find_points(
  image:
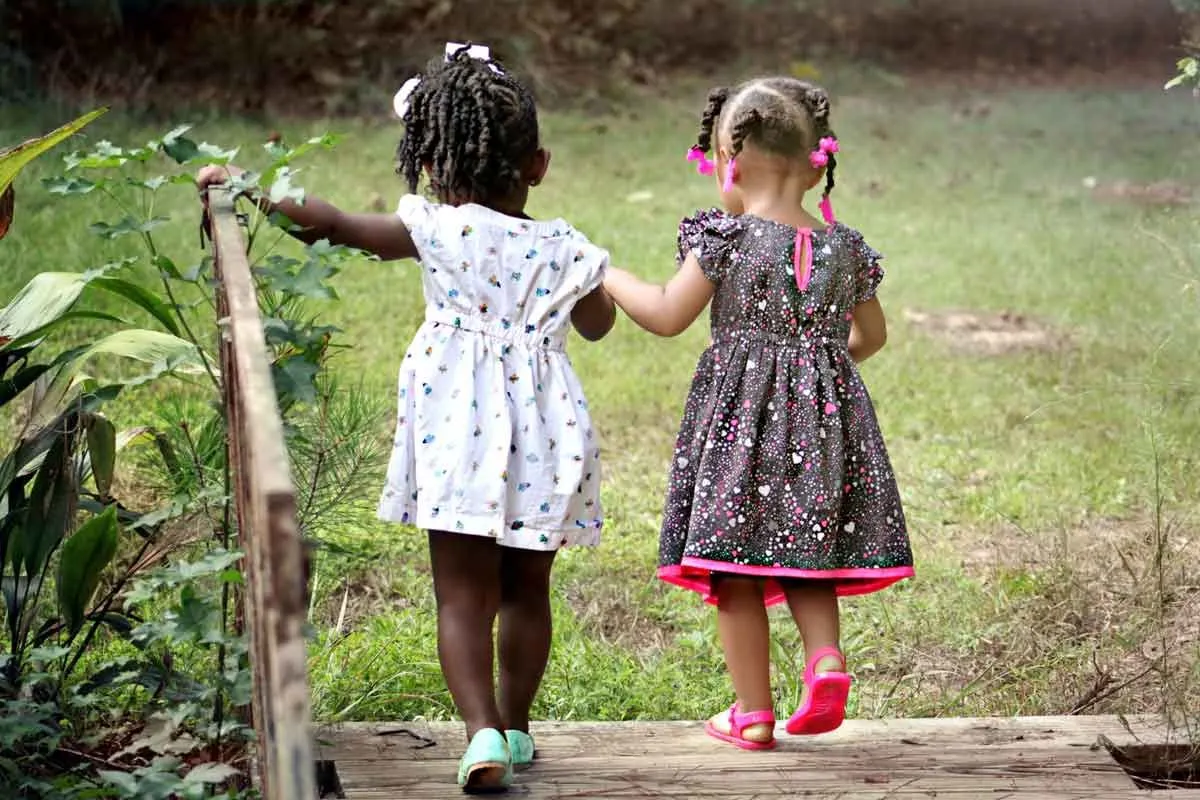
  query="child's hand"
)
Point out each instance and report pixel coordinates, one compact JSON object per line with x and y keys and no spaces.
{"x":216,"y":175}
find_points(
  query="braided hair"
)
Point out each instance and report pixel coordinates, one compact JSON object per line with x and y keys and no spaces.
{"x":784,"y":116}
{"x":473,"y":127}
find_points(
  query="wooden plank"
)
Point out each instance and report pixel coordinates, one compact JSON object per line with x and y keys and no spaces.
{"x":438,"y":740}
{"x":1053,"y":757}
{"x":268,"y":532}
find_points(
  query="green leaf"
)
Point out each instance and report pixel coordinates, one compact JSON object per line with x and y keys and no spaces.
{"x":180,"y":148}
{"x":128,"y":226}
{"x":42,"y":301}
{"x":85,"y":556}
{"x":211,"y":773}
{"x":14,"y":160}
{"x":102,"y":450}
{"x":143,"y":298}
{"x":67,"y":185}
{"x":295,"y":379}
{"x":164,"y":352}
{"x":123,"y":782}
{"x":51,"y":506}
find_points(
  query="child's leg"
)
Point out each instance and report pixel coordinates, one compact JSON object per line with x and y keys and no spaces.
{"x":746,"y":639}
{"x":525,"y":631}
{"x":814,"y":607}
{"x":466,"y":582}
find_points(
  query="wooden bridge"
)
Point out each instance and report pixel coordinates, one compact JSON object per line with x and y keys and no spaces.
{"x":1023,"y":759}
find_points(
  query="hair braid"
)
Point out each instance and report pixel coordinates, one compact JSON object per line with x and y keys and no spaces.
{"x":749,"y":123}
{"x":708,"y":120}
{"x":471,"y":127}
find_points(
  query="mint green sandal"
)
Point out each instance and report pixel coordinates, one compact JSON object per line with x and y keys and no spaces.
{"x":520,"y":744}
{"x":486,"y":767}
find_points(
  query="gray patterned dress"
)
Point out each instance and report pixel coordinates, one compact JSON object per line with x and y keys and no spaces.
{"x":780,"y":470}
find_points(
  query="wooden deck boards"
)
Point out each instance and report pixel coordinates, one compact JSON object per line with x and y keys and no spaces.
{"x":1024,"y":759}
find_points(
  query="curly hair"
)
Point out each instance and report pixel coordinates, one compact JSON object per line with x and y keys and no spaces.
{"x":473,"y":125}
{"x":784,"y":116}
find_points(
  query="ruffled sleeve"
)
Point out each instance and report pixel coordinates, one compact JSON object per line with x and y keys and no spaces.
{"x":420,"y":217}
{"x":588,"y":263}
{"x":867,"y":272}
{"x":710,"y":235}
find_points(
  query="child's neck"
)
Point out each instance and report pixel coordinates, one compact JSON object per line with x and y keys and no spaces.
{"x":787,"y":210}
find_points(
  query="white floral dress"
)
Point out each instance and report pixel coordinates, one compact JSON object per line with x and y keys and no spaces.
{"x":493,"y":435}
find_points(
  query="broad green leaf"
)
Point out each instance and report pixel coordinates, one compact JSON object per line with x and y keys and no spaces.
{"x":143,"y":298}
{"x":164,"y":352}
{"x":102,"y":452}
{"x":211,"y":773}
{"x":46,"y":297}
{"x":14,"y":160}
{"x":51,"y":506}
{"x":85,"y":556}
{"x":35,"y":336}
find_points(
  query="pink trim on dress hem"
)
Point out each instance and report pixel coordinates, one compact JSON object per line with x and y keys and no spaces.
{"x":695,"y":574}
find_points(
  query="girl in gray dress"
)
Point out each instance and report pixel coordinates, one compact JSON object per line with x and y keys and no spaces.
{"x":780,"y":487}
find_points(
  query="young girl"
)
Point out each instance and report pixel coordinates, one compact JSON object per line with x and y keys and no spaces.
{"x":780,"y":488}
{"x":494,"y":452}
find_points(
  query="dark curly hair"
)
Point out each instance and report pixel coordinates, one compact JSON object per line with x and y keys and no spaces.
{"x":474,"y":127}
{"x":785,"y":116}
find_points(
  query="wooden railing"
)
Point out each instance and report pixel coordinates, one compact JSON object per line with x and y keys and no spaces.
{"x":274,"y":594}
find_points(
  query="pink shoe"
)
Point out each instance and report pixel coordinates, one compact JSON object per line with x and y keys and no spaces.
{"x":738,"y":722}
{"x":824,"y":708}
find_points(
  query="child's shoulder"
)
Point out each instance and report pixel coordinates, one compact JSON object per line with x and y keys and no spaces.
{"x":421,"y":211}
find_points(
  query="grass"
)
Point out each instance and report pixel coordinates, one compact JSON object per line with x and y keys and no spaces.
{"x":1032,"y":480}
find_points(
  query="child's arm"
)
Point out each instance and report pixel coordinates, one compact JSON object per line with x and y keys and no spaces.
{"x":384,"y":235}
{"x":868,"y":330}
{"x":662,"y":310}
{"x":594,"y":315}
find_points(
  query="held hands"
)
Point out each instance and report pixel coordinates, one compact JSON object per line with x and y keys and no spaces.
{"x":216,"y":175}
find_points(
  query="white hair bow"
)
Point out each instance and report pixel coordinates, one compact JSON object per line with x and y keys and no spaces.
{"x":477,"y":51}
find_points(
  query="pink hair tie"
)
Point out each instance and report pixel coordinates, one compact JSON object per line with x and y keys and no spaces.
{"x":704,"y":166}
{"x":826,"y":210}
{"x":825,"y":148}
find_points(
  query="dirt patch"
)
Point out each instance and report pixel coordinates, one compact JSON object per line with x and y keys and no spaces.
{"x":989,"y":334}
{"x":618,"y":621}
{"x":1160,"y":193}
{"x":1101,"y":618}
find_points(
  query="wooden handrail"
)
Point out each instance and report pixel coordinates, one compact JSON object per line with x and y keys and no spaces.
{"x":268,"y":533}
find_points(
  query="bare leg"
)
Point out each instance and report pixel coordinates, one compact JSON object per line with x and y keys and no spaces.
{"x":525,"y":631}
{"x":746,"y":639}
{"x":466,"y":583}
{"x":814,"y":607}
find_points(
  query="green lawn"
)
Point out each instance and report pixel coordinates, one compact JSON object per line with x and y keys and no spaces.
{"x":1031,"y":479}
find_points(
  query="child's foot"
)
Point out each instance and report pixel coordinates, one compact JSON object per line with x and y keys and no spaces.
{"x":486,"y":767}
{"x":826,"y":690}
{"x":520,"y":744}
{"x":751,"y":730}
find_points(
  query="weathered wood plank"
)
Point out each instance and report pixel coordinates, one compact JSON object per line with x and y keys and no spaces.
{"x":274,"y":601}
{"x":425,"y":741}
{"x":1025,"y":758}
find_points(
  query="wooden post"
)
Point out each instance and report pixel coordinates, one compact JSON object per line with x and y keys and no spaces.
{"x":268,"y":533}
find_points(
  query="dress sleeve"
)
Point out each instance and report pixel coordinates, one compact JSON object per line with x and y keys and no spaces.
{"x":588,"y":264}
{"x":867,"y":272}
{"x":420,"y":217}
{"x":710,"y":235}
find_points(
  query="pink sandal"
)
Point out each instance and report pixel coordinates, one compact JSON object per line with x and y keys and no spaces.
{"x":738,"y":722}
{"x":824,"y":708}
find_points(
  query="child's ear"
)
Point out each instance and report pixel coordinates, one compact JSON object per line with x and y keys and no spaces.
{"x":539,"y":165}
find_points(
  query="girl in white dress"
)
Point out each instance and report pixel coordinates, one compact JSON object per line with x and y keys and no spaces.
{"x":494,"y":454}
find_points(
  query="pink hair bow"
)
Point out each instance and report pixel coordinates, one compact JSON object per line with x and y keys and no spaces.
{"x":704,"y":166}
{"x":825,"y":148}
